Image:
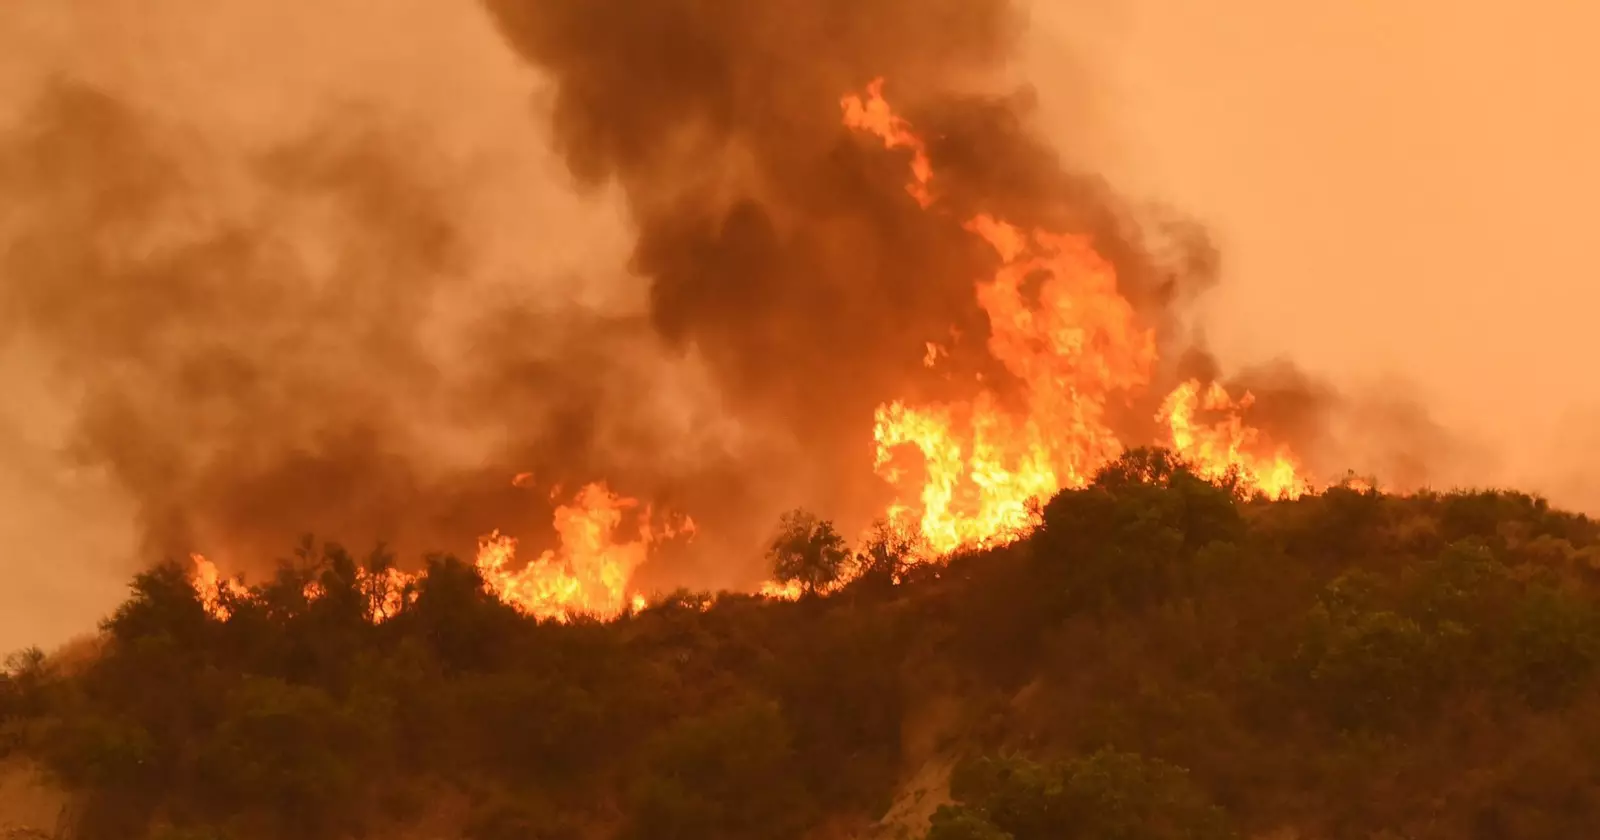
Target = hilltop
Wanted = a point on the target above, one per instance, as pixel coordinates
(1163, 657)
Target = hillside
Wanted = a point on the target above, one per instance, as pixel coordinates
(1160, 659)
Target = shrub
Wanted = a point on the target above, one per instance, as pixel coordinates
(1553, 647)
(724, 776)
(1108, 795)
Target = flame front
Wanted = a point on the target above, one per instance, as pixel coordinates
(1227, 445)
(588, 574)
(1073, 344)
(214, 589)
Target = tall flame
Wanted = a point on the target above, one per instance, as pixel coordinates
(1227, 444)
(1061, 329)
(215, 590)
(589, 573)
(873, 114)
(1072, 343)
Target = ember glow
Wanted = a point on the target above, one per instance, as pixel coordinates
(1074, 348)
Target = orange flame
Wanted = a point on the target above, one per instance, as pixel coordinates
(1072, 343)
(588, 574)
(213, 588)
(873, 114)
(1227, 446)
(386, 589)
(790, 591)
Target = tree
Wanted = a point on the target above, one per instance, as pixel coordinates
(1553, 646)
(890, 550)
(1366, 666)
(164, 603)
(808, 551)
(288, 752)
(1129, 537)
(724, 776)
(467, 625)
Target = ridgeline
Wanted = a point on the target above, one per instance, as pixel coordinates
(1160, 659)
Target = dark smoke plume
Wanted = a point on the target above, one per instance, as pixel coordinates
(784, 249)
(264, 357)
(300, 346)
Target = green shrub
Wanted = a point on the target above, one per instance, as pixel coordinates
(725, 776)
(1108, 795)
(1553, 646)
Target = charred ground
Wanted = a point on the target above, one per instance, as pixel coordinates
(1161, 659)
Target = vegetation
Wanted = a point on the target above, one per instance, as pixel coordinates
(807, 551)
(1162, 659)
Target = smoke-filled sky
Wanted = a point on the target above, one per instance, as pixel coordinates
(1395, 191)
(1398, 188)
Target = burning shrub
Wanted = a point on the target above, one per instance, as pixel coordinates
(807, 552)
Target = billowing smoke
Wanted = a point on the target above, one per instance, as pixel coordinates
(307, 342)
(298, 349)
(786, 251)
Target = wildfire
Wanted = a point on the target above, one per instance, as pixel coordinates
(215, 590)
(873, 114)
(1228, 443)
(1058, 324)
(588, 574)
(790, 591)
(1073, 344)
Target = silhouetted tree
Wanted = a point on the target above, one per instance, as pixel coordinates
(887, 553)
(1130, 536)
(1322, 663)
(807, 550)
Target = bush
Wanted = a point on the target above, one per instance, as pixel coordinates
(1108, 795)
(807, 551)
(288, 753)
(725, 776)
(1129, 537)
(1553, 647)
(1365, 666)
(840, 686)
(528, 728)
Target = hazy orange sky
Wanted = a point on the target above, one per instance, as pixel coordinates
(1399, 189)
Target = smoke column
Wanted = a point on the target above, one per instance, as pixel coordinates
(787, 254)
(311, 329)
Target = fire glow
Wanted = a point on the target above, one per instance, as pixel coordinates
(1075, 346)
(1073, 351)
(589, 573)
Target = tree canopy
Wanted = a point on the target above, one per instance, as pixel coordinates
(1163, 658)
